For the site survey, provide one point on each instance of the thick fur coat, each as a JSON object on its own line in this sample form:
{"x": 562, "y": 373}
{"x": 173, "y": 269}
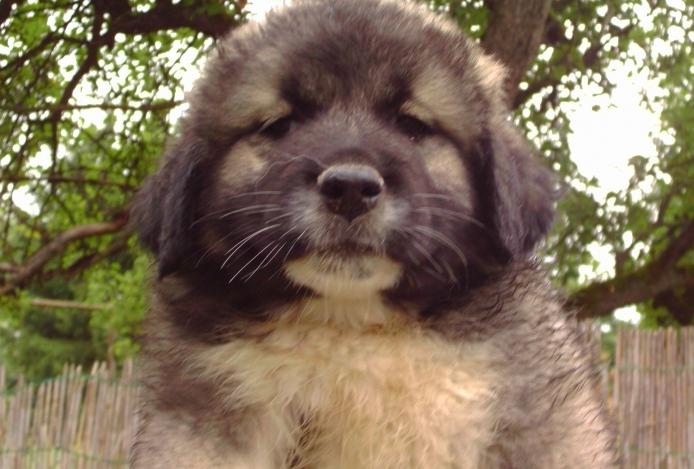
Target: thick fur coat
{"x": 344, "y": 233}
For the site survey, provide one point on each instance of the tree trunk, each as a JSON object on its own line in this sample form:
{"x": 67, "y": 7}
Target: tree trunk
{"x": 514, "y": 33}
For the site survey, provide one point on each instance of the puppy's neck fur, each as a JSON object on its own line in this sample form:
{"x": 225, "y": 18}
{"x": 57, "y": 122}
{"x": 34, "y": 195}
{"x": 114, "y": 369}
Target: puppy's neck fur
{"x": 347, "y": 380}
{"x": 347, "y": 394}
{"x": 348, "y": 291}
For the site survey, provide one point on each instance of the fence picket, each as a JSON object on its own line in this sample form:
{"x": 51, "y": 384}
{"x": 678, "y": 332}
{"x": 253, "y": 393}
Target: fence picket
{"x": 88, "y": 420}
{"x": 71, "y": 421}
{"x": 654, "y": 397}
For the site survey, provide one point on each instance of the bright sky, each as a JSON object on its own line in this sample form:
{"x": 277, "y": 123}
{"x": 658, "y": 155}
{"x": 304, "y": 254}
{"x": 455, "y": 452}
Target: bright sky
{"x": 602, "y": 142}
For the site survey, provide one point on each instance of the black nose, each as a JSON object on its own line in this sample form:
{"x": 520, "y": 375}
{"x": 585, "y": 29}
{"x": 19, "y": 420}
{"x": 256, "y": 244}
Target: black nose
{"x": 350, "y": 190}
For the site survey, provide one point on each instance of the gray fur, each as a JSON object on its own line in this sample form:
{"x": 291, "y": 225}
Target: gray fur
{"x": 255, "y": 357}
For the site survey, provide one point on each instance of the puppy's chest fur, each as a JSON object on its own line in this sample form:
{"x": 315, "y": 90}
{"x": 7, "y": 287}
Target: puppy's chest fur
{"x": 386, "y": 393}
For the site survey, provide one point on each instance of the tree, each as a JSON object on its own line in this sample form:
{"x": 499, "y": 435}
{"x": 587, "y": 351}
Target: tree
{"x": 90, "y": 89}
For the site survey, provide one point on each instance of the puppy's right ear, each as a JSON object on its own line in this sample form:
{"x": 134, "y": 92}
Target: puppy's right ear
{"x": 163, "y": 209}
{"x": 525, "y": 191}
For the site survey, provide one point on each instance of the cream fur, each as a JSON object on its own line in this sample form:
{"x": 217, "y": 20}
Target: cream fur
{"x": 382, "y": 396}
{"x": 375, "y": 388}
{"x": 436, "y": 99}
{"x": 242, "y": 162}
{"x": 340, "y": 277}
{"x": 446, "y": 168}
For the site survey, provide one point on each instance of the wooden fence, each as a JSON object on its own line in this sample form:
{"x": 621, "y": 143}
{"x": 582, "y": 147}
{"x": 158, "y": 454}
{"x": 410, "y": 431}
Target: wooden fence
{"x": 86, "y": 421}
{"x": 76, "y": 420}
{"x": 654, "y": 398}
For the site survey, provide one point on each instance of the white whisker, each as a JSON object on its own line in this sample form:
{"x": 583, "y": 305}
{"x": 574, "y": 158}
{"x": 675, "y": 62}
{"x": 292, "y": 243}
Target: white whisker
{"x": 286, "y": 256}
{"x": 451, "y": 214}
{"x": 279, "y": 217}
{"x": 248, "y": 194}
{"x": 249, "y": 262}
{"x": 265, "y": 209}
{"x": 434, "y": 196}
{"x": 214, "y": 245}
{"x": 423, "y": 252}
{"x": 435, "y": 234}
{"x": 265, "y": 260}
{"x": 231, "y": 251}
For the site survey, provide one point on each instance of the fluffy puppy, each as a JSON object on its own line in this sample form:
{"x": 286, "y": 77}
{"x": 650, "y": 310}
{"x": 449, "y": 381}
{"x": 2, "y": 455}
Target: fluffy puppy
{"x": 343, "y": 231}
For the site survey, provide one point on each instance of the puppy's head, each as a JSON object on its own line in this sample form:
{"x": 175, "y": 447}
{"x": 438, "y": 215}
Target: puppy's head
{"x": 346, "y": 148}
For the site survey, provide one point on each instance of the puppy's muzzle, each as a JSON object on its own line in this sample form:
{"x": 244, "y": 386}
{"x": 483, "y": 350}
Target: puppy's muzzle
{"x": 350, "y": 190}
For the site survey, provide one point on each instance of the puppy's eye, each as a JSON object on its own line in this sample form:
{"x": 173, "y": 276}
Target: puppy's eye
{"x": 414, "y": 128}
{"x": 276, "y": 128}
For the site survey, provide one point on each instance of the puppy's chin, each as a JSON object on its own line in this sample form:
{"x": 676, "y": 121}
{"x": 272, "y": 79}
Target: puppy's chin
{"x": 344, "y": 276}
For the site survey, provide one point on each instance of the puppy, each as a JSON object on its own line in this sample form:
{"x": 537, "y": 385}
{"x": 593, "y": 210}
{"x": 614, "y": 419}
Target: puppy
{"x": 343, "y": 232}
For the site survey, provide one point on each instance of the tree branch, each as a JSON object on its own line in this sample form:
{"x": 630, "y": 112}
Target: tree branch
{"x": 7, "y": 267}
{"x": 655, "y": 278}
{"x": 602, "y": 298}
{"x": 208, "y": 17}
{"x": 155, "y": 106}
{"x": 89, "y": 61}
{"x": 66, "y": 179}
{"x": 553, "y": 34}
{"x": 678, "y": 247}
{"x": 50, "y": 303}
{"x": 36, "y": 262}
{"x": 679, "y": 305}
{"x": 88, "y": 260}
{"x": 536, "y": 86}
{"x": 17, "y": 61}
{"x": 5, "y": 9}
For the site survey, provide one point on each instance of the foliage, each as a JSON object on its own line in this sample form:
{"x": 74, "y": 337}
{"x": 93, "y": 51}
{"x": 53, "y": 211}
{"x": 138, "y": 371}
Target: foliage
{"x": 84, "y": 119}
{"x": 120, "y": 287}
{"x": 646, "y": 227}
{"x": 38, "y": 344}
{"x": 92, "y": 90}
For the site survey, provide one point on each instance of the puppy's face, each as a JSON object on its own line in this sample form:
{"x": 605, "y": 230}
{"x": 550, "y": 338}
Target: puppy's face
{"x": 346, "y": 148}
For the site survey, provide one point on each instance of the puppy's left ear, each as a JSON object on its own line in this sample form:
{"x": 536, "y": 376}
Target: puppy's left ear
{"x": 163, "y": 210}
{"x": 525, "y": 191}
